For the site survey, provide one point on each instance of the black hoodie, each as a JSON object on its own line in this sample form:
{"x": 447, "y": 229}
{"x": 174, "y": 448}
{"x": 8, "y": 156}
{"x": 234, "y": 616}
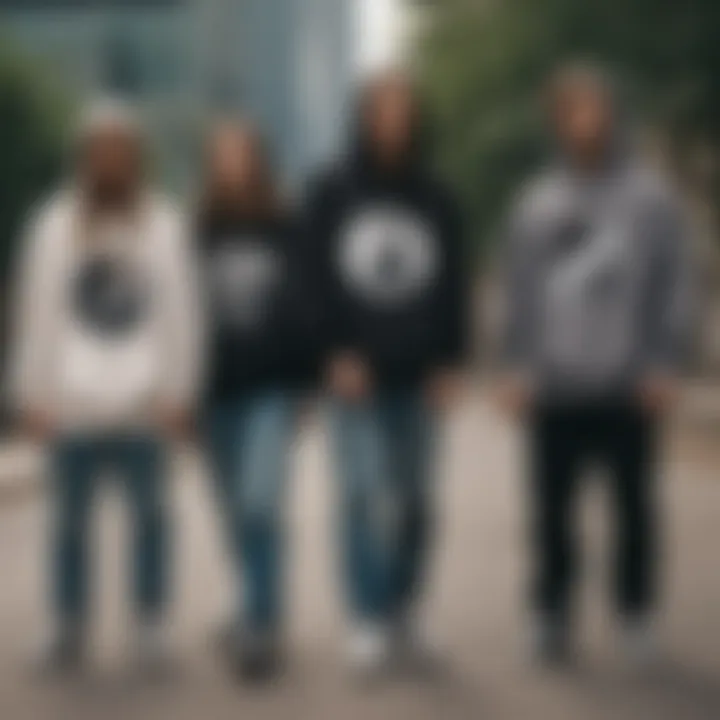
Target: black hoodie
{"x": 388, "y": 266}
{"x": 260, "y": 326}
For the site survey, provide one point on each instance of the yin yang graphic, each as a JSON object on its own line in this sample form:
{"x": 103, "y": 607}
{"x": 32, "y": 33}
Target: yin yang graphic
{"x": 573, "y": 234}
{"x": 111, "y": 295}
{"x": 589, "y": 258}
{"x": 243, "y": 282}
{"x": 388, "y": 257}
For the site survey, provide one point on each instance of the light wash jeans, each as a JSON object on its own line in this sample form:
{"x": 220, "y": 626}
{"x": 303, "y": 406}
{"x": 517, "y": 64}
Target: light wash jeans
{"x": 385, "y": 452}
{"x": 249, "y": 441}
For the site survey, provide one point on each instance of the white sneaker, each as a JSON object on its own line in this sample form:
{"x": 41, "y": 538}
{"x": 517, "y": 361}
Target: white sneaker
{"x": 414, "y": 648}
{"x": 368, "y": 650}
{"x": 152, "y": 650}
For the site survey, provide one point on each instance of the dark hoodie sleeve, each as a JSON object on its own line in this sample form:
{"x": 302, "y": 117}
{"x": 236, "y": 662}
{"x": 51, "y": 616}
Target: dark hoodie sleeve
{"x": 306, "y": 336}
{"x": 318, "y": 227}
{"x": 455, "y": 317}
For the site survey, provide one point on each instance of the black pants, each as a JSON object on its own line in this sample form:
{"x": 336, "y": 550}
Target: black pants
{"x": 566, "y": 438}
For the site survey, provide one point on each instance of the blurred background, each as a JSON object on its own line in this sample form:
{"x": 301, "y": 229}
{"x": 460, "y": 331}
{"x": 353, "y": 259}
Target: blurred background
{"x": 294, "y": 65}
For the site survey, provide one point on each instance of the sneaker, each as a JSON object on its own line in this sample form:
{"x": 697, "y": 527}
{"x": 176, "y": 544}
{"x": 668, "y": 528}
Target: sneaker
{"x": 413, "y": 649}
{"x": 368, "y": 650}
{"x": 225, "y": 638}
{"x": 63, "y": 654}
{"x": 549, "y": 642}
{"x": 152, "y": 650}
{"x": 259, "y": 657}
{"x": 639, "y": 642}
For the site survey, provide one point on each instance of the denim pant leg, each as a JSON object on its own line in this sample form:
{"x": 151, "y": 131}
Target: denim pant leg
{"x": 141, "y": 460}
{"x": 75, "y": 464}
{"x": 410, "y": 425}
{"x": 269, "y": 419}
{"x": 224, "y": 428}
{"x": 362, "y": 469}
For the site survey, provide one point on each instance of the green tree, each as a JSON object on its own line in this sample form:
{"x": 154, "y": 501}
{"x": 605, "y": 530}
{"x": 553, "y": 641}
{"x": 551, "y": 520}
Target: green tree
{"x": 32, "y": 125}
{"x": 33, "y": 118}
{"x": 483, "y": 63}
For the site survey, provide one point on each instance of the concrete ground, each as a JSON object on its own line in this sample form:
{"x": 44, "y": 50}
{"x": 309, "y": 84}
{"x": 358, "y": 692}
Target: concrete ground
{"x": 475, "y": 605}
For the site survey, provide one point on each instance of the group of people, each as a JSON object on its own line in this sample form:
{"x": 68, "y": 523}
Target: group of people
{"x": 136, "y": 326}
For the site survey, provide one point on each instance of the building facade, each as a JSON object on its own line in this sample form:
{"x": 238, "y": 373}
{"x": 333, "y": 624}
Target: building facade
{"x": 286, "y": 63}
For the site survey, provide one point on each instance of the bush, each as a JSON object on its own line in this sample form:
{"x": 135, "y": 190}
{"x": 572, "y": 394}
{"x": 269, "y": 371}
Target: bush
{"x": 33, "y": 121}
{"x": 483, "y": 62}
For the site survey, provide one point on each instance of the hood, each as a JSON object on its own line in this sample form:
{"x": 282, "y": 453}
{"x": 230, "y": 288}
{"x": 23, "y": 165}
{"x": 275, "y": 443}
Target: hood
{"x": 620, "y": 143}
{"x": 362, "y": 156}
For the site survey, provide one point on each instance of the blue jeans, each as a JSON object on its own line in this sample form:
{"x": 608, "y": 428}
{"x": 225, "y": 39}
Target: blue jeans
{"x": 249, "y": 441}
{"x": 385, "y": 450}
{"x": 77, "y": 464}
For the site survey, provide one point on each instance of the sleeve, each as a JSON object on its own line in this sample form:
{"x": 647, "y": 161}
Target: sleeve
{"x": 669, "y": 303}
{"x": 519, "y": 292}
{"x": 184, "y": 317}
{"x": 456, "y": 320}
{"x": 305, "y": 301}
{"x": 319, "y": 224}
{"x": 34, "y": 320}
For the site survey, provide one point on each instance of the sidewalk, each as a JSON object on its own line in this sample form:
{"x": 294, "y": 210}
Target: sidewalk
{"x": 20, "y": 468}
{"x": 701, "y": 403}
{"x": 474, "y": 603}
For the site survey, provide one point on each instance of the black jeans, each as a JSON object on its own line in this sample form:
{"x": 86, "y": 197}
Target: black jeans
{"x": 620, "y": 438}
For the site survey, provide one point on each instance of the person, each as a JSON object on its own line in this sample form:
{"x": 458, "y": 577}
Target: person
{"x": 105, "y": 365}
{"x": 260, "y": 365}
{"x": 388, "y": 266}
{"x": 598, "y": 302}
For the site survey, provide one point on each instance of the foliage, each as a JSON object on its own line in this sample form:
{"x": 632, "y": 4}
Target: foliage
{"x": 32, "y": 130}
{"x": 483, "y": 63}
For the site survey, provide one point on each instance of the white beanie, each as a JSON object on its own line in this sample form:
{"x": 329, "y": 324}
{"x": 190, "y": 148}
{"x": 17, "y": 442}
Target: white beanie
{"x": 108, "y": 114}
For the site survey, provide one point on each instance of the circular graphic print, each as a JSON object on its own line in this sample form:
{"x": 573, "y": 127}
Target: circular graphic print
{"x": 243, "y": 281}
{"x": 388, "y": 257}
{"x": 111, "y": 296}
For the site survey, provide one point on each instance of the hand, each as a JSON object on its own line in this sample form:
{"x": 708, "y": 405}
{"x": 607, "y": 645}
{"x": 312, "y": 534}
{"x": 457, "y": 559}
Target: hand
{"x": 443, "y": 389}
{"x": 349, "y": 377}
{"x": 513, "y": 395}
{"x": 658, "y": 392}
{"x": 176, "y": 422}
{"x": 37, "y": 425}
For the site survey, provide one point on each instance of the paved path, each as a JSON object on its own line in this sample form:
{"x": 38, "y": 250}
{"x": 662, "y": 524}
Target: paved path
{"x": 476, "y": 605}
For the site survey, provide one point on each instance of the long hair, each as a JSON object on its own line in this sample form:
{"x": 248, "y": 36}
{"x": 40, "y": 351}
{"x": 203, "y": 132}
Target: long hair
{"x": 260, "y": 199}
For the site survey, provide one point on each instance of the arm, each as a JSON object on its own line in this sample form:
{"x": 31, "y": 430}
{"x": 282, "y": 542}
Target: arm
{"x": 33, "y": 325}
{"x": 520, "y": 320}
{"x": 184, "y": 331}
{"x": 444, "y": 384}
{"x": 668, "y": 310}
{"x": 308, "y": 280}
{"x": 520, "y": 299}
{"x": 347, "y": 372}
{"x": 668, "y": 318}
{"x": 456, "y": 315}
{"x": 318, "y": 229}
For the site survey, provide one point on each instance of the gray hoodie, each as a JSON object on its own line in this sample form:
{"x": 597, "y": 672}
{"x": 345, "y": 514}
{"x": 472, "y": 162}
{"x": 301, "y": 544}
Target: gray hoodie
{"x": 598, "y": 281}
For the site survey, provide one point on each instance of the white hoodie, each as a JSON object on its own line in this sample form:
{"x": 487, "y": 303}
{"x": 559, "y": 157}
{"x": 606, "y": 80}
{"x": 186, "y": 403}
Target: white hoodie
{"x": 106, "y": 322}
